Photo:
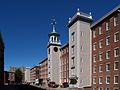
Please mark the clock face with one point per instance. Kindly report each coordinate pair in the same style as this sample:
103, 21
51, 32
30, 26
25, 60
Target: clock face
55, 49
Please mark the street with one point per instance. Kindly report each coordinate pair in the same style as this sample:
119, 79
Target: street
19, 87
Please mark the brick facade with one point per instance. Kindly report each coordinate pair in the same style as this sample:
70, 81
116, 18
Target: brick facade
105, 52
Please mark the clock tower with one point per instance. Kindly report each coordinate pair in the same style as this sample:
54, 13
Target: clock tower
53, 50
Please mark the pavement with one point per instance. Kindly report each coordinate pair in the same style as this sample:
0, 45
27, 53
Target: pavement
19, 87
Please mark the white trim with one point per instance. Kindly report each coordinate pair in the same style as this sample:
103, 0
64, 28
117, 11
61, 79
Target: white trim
107, 40
115, 37
100, 56
100, 29
101, 67
106, 80
107, 54
100, 79
107, 67
114, 65
115, 52
114, 79
101, 43
94, 46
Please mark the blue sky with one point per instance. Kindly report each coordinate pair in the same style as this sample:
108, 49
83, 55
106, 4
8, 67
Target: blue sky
25, 25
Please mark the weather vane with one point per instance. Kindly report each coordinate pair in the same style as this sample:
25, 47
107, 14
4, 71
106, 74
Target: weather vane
53, 23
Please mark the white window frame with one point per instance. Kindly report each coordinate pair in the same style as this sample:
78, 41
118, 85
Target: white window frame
107, 54
115, 36
107, 40
114, 79
114, 65
100, 80
100, 68
116, 20
94, 80
101, 43
107, 66
100, 56
94, 58
100, 29
94, 34
107, 25
106, 80
115, 52
94, 46
94, 69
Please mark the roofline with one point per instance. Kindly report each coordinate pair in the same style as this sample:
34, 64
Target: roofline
43, 60
105, 16
34, 67
63, 46
80, 16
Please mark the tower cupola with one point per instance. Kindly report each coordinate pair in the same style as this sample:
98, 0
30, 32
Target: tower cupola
54, 36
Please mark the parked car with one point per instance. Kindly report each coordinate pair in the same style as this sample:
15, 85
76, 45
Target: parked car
65, 85
52, 84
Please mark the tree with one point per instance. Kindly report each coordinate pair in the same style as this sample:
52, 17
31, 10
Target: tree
18, 76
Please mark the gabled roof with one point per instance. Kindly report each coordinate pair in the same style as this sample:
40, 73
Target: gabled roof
105, 16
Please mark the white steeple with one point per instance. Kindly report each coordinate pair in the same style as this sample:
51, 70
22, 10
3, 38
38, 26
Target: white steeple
54, 36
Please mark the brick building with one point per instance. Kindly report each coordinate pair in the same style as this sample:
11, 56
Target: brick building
1, 60
34, 74
64, 63
43, 71
106, 51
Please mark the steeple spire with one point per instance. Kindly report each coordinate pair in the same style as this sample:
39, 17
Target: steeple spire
53, 24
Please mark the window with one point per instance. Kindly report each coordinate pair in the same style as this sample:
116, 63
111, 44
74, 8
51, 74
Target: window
116, 52
100, 43
100, 88
116, 65
108, 55
73, 49
108, 80
100, 30
94, 46
94, 88
81, 48
94, 34
107, 67
116, 79
73, 36
116, 20
107, 88
100, 68
107, 25
100, 57
108, 40
73, 61
94, 69
94, 80
115, 88
116, 36
81, 33
100, 80
94, 58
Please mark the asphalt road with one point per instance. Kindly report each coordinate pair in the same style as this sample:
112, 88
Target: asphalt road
19, 87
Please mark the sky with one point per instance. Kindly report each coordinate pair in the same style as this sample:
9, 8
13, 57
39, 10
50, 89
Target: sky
25, 25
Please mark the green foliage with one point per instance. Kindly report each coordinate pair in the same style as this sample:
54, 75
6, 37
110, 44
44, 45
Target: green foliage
18, 76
